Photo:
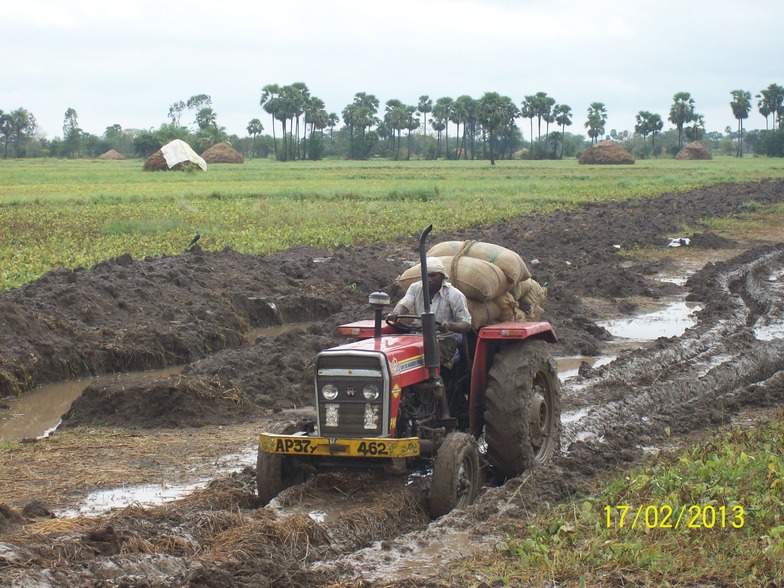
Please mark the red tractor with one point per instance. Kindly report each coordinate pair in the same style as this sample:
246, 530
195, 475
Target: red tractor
384, 401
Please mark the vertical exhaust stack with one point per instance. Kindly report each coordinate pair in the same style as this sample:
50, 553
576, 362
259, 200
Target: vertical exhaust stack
428, 318
378, 301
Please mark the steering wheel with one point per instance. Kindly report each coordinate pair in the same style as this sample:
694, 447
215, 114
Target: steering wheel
407, 327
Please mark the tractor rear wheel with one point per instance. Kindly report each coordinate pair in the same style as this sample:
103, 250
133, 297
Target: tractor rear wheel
274, 471
455, 481
522, 408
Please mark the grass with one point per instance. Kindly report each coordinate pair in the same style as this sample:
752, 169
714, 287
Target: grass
730, 488
76, 213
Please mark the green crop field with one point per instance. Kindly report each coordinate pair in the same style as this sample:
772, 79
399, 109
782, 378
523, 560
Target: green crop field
62, 213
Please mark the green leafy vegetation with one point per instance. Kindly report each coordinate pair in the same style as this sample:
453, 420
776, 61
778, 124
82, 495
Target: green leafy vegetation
71, 213
711, 514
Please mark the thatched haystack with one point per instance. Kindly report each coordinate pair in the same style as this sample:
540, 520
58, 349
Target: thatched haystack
222, 153
606, 153
176, 155
112, 154
694, 150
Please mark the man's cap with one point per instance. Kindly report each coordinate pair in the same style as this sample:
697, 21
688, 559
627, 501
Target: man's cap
434, 266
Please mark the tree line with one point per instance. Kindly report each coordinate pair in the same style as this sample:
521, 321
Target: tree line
481, 128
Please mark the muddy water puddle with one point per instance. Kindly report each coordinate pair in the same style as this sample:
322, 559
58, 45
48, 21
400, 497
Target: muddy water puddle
771, 325
38, 412
670, 321
146, 495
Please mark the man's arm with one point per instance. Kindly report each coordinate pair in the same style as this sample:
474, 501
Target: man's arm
461, 318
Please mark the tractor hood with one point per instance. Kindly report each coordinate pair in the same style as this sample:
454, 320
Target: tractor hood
404, 354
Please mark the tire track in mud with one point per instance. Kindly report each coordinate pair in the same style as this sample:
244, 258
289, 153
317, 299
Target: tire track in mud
707, 363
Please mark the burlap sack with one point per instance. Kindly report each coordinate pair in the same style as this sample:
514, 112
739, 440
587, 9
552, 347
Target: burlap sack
477, 279
499, 310
511, 263
529, 294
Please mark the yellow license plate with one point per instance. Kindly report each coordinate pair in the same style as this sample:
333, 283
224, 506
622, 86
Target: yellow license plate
300, 445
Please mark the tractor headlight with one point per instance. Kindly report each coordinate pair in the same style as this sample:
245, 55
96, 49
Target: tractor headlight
370, 392
329, 391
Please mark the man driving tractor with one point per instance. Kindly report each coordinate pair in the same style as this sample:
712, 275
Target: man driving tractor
447, 302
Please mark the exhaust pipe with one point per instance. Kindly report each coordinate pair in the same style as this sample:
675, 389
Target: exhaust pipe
428, 318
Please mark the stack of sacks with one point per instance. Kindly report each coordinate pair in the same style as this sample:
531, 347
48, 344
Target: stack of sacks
495, 280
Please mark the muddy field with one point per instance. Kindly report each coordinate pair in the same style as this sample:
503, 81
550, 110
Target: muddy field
208, 312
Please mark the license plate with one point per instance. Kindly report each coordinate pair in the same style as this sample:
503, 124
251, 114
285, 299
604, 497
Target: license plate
299, 445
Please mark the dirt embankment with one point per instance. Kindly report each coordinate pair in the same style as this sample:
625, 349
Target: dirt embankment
199, 309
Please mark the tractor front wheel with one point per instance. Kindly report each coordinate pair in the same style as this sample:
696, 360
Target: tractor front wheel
455, 481
275, 472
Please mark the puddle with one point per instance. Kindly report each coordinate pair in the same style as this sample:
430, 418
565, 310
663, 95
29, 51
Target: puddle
771, 326
146, 495
276, 330
569, 366
574, 415
38, 412
101, 501
670, 321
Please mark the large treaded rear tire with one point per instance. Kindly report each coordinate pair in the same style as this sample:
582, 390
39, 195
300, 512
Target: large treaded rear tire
455, 480
276, 472
522, 408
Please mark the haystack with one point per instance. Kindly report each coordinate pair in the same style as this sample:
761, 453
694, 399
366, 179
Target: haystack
606, 153
177, 155
222, 153
694, 150
112, 154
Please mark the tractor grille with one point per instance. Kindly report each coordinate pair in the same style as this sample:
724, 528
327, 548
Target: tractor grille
351, 414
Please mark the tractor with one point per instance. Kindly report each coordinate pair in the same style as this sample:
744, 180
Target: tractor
385, 401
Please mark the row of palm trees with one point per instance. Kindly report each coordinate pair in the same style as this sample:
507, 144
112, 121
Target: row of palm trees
489, 119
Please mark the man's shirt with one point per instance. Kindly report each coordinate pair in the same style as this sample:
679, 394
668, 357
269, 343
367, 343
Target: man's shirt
448, 305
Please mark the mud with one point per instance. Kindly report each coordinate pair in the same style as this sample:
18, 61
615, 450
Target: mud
199, 309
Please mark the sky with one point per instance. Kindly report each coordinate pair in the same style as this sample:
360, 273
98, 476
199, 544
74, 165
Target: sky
127, 62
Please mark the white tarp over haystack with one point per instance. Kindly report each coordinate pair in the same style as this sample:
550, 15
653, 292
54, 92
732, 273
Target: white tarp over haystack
179, 151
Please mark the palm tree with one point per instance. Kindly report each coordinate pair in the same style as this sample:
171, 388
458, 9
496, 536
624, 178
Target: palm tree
443, 110
655, 124
741, 105
438, 126
6, 129
268, 101
205, 117
770, 102
681, 112
597, 118
465, 106
365, 115
411, 123
528, 110
332, 120
300, 96
697, 129
212, 135
254, 129
563, 116
424, 106
395, 120
315, 116
491, 114
542, 106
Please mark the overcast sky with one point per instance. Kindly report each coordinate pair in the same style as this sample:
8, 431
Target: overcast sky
126, 62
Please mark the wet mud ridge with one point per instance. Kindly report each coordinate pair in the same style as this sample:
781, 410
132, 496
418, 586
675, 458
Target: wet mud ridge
201, 309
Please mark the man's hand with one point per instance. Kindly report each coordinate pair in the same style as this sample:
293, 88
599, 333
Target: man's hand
392, 317
444, 327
